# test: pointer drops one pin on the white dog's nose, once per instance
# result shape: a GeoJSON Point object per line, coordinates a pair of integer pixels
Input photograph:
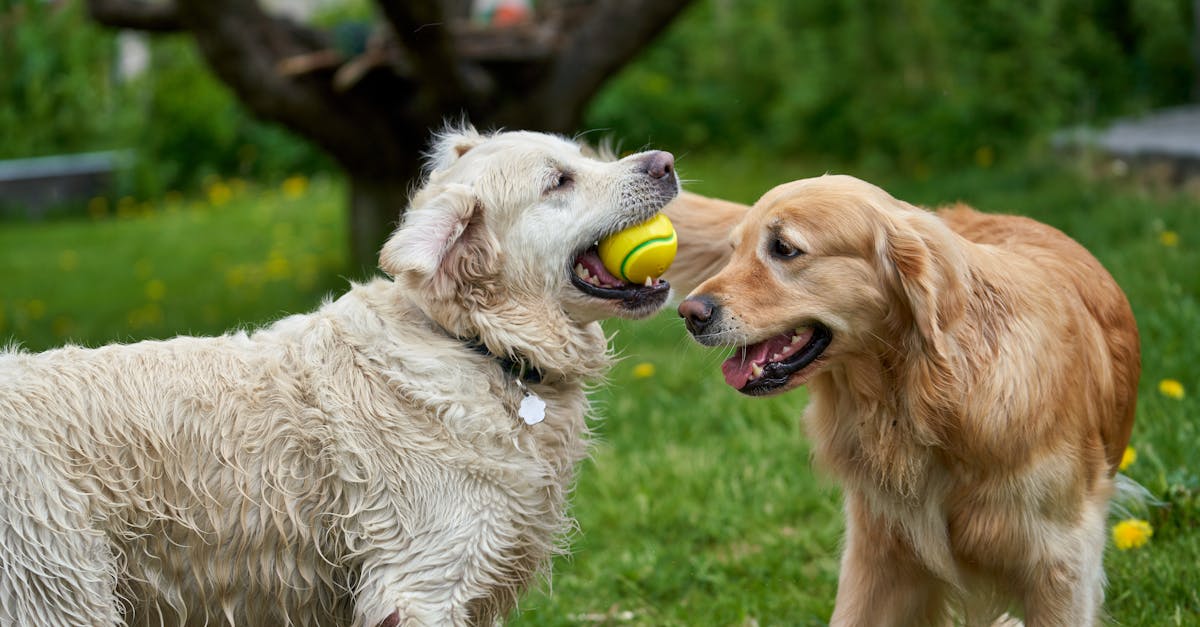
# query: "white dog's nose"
{"type": "Point", "coordinates": [658, 164]}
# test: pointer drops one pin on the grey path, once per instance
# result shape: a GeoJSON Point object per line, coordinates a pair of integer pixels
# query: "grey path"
{"type": "Point", "coordinates": [1167, 133]}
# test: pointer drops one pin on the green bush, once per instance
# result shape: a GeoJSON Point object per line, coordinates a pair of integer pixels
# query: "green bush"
{"type": "Point", "coordinates": [195, 129]}
{"type": "Point", "coordinates": [913, 83]}
{"type": "Point", "coordinates": [55, 92]}
{"type": "Point", "coordinates": [59, 94]}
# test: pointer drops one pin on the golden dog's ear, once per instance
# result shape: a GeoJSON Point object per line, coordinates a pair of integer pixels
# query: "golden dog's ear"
{"type": "Point", "coordinates": [435, 225]}
{"type": "Point", "coordinates": [928, 269]}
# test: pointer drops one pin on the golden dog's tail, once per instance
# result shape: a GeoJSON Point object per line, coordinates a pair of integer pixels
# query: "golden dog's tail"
{"type": "Point", "coordinates": [1130, 499]}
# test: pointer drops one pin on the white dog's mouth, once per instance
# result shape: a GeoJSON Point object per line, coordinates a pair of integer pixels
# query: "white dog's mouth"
{"type": "Point", "coordinates": [765, 367]}
{"type": "Point", "coordinates": [589, 276]}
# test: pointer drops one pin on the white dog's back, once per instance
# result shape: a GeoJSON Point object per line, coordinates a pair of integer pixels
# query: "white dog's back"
{"type": "Point", "coordinates": [238, 476]}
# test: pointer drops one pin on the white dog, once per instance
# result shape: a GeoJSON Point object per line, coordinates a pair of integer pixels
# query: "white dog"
{"type": "Point", "coordinates": [400, 456]}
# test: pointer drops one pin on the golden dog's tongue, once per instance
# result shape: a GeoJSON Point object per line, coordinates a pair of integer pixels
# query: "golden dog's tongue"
{"type": "Point", "coordinates": [747, 363]}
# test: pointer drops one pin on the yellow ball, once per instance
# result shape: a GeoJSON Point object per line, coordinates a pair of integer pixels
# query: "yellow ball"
{"type": "Point", "coordinates": [639, 252]}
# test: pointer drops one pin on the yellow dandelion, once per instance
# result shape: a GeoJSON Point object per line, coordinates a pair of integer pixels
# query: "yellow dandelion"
{"type": "Point", "coordinates": [1128, 457]}
{"type": "Point", "coordinates": [97, 207]}
{"type": "Point", "coordinates": [68, 260]}
{"type": "Point", "coordinates": [1131, 533]}
{"type": "Point", "coordinates": [294, 186]}
{"type": "Point", "coordinates": [36, 309]}
{"type": "Point", "coordinates": [1171, 388]}
{"type": "Point", "coordinates": [62, 326]}
{"type": "Point", "coordinates": [235, 276]}
{"type": "Point", "coordinates": [219, 193]}
{"type": "Point", "coordinates": [644, 370]}
{"type": "Point", "coordinates": [1169, 239]}
{"type": "Point", "coordinates": [278, 267]}
{"type": "Point", "coordinates": [150, 314]}
{"type": "Point", "coordinates": [142, 268]}
{"type": "Point", "coordinates": [156, 289]}
{"type": "Point", "coordinates": [127, 207]}
{"type": "Point", "coordinates": [985, 156]}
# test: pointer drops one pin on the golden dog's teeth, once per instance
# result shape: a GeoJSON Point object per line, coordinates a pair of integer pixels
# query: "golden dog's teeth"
{"type": "Point", "coordinates": [756, 370]}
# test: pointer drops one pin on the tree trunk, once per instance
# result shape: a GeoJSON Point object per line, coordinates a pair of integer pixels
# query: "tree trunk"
{"type": "Point", "coordinates": [375, 209]}
{"type": "Point", "coordinates": [420, 67]}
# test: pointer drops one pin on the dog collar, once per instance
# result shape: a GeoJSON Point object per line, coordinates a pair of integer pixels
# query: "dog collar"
{"type": "Point", "coordinates": [518, 369]}
{"type": "Point", "coordinates": [532, 409]}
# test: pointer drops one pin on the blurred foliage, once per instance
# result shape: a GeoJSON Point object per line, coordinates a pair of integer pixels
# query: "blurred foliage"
{"type": "Point", "coordinates": [55, 92]}
{"type": "Point", "coordinates": [59, 93]}
{"type": "Point", "coordinates": [196, 129]}
{"type": "Point", "coordinates": [913, 83]}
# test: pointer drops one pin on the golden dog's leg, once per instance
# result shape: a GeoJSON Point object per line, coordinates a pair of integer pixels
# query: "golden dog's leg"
{"type": "Point", "coordinates": [882, 584]}
{"type": "Point", "coordinates": [1066, 588]}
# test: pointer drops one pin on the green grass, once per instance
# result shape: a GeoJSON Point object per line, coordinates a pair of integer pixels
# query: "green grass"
{"type": "Point", "coordinates": [240, 255]}
{"type": "Point", "coordinates": [699, 507]}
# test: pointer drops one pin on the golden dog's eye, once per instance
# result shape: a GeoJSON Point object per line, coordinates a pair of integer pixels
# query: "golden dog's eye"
{"type": "Point", "coordinates": [783, 250]}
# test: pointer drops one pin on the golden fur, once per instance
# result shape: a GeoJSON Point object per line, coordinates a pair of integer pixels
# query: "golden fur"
{"type": "Point", "coordinates": [356, 465]}
{"type": "Point", "coordinates": [702, 227]}
{"type": "Point", "coordinates": [974, 401]}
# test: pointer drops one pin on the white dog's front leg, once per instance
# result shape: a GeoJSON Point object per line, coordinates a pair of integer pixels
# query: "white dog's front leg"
{"type": "Point", "coordinates": [443, 557]}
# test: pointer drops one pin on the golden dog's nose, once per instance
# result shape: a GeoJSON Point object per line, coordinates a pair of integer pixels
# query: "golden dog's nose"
{"type": "Point", "coordinates": [697, 312]}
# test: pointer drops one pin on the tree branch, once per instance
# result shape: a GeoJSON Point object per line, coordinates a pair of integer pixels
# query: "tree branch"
{"type": "Point", "coordinates": [244, 47]}
{"type": "Point", "coordinates": [158, 17]}
{"type": "Point", "coordinates": [421, 27]}
{"type": "Point", "coordinates": [610, 36]}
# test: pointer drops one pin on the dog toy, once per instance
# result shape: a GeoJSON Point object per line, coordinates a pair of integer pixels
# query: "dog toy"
{"type": "Point", "coordinates": [641, 253]}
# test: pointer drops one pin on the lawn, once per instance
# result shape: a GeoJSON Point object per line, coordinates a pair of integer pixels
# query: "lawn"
{"type": "Point", "coordinates": [699, 507]}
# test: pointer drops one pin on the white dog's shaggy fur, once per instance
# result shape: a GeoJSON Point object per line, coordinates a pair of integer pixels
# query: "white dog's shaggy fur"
{"type": "Point", "coordinates": [359, 465]}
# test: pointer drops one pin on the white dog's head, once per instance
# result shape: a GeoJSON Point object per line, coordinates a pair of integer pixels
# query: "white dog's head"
{"type": "Point", "coordinates": [491, 242]}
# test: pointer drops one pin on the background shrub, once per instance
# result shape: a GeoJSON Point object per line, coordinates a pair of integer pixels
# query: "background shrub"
{"type": "Point", "coordinates": [914, 83]}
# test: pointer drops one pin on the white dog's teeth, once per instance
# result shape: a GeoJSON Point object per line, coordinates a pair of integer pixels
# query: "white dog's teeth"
{"type": "Point", "coordinates": [649, 281]}
{"type": "Point", "coordinates": [776, 357]}
{"type": "Point", "coordinates": [580, 270]}
{"type": "Point", "coordinates": [756, 370]}
{"type": "Point", "coordinates": [795, 339]}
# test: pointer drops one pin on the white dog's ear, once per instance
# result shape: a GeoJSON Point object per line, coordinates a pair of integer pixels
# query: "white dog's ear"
{"type": "Point", "coordinates": [431, 229]}
{"type": "Point", "coordinates": [451, 144]}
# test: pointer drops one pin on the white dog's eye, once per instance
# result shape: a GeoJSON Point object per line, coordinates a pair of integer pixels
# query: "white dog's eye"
{"type": "Point", "coordinates": [783, 250]}
{"type": "Point", "coordinates": [560, 181]}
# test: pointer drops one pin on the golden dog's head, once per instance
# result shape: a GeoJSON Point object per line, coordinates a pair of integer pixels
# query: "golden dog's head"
{"type": "Point", "coordinates": [824, 271]}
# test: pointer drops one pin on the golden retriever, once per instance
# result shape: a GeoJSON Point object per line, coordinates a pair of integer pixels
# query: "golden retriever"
{"type": "Point", "coordinates": [401, 456]}
{"type": "Point", "coordinates": [972, 383]}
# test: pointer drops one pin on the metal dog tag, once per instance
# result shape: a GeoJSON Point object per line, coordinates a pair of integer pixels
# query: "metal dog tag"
{"type": "Point", "coordinates": [533, 409]}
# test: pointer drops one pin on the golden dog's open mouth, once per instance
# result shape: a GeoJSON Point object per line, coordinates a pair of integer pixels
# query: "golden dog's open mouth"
{"type": "Point", "coordinates": [766, 366]}
{"type": "Point", "coordinates": [589, 276]}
